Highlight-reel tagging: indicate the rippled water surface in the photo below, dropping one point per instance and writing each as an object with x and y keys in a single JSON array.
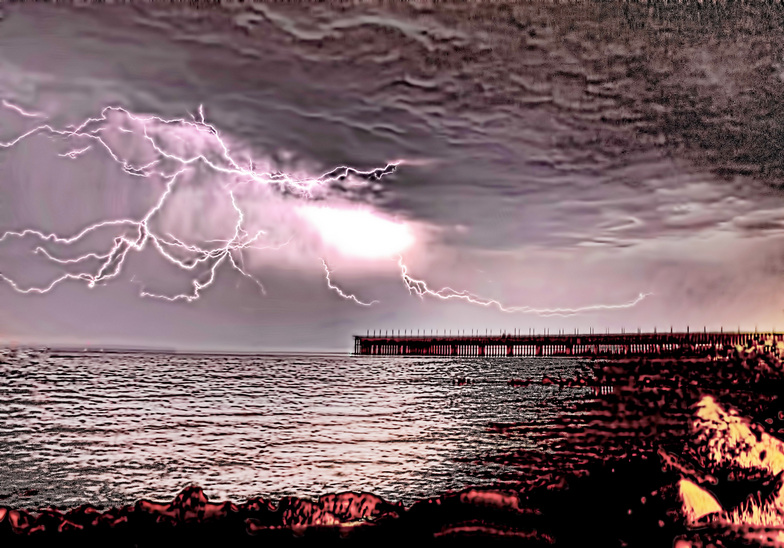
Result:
[{"x": 111, "y": 428}]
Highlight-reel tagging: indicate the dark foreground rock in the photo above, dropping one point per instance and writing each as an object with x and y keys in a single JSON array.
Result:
[{"x": 599, "y": 507}]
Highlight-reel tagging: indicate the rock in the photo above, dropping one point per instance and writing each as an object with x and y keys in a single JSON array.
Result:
[{"x": 696, "y": 501}]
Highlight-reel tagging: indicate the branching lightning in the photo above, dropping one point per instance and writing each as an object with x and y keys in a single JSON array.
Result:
[
  {"x": 202, "y": 261},
  {"x": 339, "y": 291},
  {"x": 420, "y": 289},
  {"x": 111, "y": 261}
]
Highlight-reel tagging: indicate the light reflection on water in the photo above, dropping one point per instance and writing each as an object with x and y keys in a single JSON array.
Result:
[{"x": 110, "y": 429}]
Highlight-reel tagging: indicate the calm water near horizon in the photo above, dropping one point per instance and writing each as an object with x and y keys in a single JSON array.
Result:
[{"x": 109, "y": 429}]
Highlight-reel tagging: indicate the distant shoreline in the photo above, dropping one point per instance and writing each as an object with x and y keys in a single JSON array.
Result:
[{"x": 70, "y": 351}]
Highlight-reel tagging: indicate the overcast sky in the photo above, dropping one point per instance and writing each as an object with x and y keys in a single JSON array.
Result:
[{"x": 546, "y": 157}]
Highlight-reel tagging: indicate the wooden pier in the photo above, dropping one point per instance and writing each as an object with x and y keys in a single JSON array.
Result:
[{"x": 609, "y": 345}]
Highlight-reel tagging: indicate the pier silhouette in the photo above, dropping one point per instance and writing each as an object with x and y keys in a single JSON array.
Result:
[{"x": 605, "y": 345}]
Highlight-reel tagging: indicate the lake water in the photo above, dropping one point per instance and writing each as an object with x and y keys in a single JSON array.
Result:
[{"x": 109, "y": 429}]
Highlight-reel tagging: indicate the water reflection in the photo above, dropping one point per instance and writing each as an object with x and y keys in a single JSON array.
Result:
[{"x": 114, "y": 428}]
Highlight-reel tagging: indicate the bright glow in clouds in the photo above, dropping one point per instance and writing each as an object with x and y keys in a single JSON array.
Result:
[
  {"x": 358, "y": 233},
  {"x": 239, "y": 208}
]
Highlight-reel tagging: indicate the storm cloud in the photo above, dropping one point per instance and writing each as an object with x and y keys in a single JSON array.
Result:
[{"x": 547, "y": 156}]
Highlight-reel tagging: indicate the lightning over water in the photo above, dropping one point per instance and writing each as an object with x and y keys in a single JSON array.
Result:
[{"x": 168, "y": 164}]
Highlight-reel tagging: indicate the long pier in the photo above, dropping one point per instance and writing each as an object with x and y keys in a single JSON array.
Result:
[{"x": 609, "y": 345}]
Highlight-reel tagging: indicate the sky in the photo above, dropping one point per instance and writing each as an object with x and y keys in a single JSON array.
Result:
[{"x": 536, "y": 156}]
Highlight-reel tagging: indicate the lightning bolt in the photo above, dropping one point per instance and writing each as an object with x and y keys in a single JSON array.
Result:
[
  {"x": 210, "y": 259},
  {"x": 20, "y": 110},
  {"x": 420, "y": 289},
  {"x": 73, "y": 154},
  {"x": 339, "y": 291}
]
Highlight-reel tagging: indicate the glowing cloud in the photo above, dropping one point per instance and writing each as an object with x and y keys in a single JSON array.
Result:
[{"x": 358, "y": 233}]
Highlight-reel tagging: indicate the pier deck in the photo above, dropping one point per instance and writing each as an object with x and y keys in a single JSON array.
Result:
[{"x": 587, "y": 345}]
